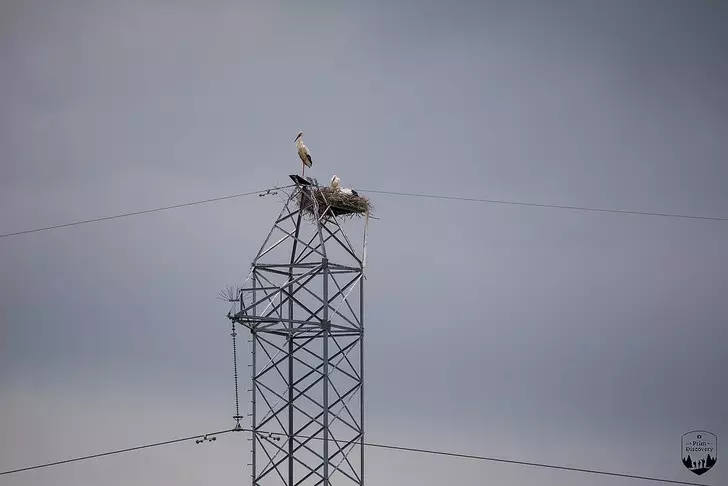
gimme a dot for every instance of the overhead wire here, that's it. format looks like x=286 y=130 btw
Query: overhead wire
x=114 y=452
x=366 y=444
x=534 y=464
x=551 y=206
x=376 y=191
x=507 y=461
x=135 y=213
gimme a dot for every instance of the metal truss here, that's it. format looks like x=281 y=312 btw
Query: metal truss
x=303 y=305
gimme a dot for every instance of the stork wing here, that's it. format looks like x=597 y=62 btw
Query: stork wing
x=305 y=156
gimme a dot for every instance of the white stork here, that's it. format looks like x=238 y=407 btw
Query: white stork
x=336 y=186
x=303 y=153
x=335 y=183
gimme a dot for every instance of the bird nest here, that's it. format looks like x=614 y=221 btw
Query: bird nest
x=328 y=202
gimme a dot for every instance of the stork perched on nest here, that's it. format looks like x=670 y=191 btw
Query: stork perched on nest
x=335 y=183
x=303 y=153
x=336 y=186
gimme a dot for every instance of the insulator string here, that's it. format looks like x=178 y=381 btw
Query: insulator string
x=235 y=377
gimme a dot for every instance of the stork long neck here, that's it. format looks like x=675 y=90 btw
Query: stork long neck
x=299 y=142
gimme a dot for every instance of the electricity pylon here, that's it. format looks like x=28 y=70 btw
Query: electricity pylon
x=303 y=304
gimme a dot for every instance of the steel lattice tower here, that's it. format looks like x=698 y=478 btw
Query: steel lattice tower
x=303 y=305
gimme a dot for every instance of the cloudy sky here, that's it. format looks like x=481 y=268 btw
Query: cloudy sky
x=585 y=339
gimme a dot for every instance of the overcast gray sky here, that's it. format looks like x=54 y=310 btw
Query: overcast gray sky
x=585 y=339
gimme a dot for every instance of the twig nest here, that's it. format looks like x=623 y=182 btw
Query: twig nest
x=330 y=202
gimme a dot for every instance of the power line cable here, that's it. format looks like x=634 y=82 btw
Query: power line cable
x=394 y=193
x=507 y=461
x=367 y=444
x=135 y=213
x=117 y=451
x=552 y=206
x=534 y=464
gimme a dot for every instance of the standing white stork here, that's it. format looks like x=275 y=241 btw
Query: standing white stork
x=303 y=153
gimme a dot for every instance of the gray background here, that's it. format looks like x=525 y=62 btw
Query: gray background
x=585 y=339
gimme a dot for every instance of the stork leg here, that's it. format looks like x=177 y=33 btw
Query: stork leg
x=303 y=169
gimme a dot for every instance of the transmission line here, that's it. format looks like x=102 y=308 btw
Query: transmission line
x=110 y=453
x=366 y=444
x=135 y=213
x=507 y=461
x=393 y=193
x=533 y=464
x=551 y=206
